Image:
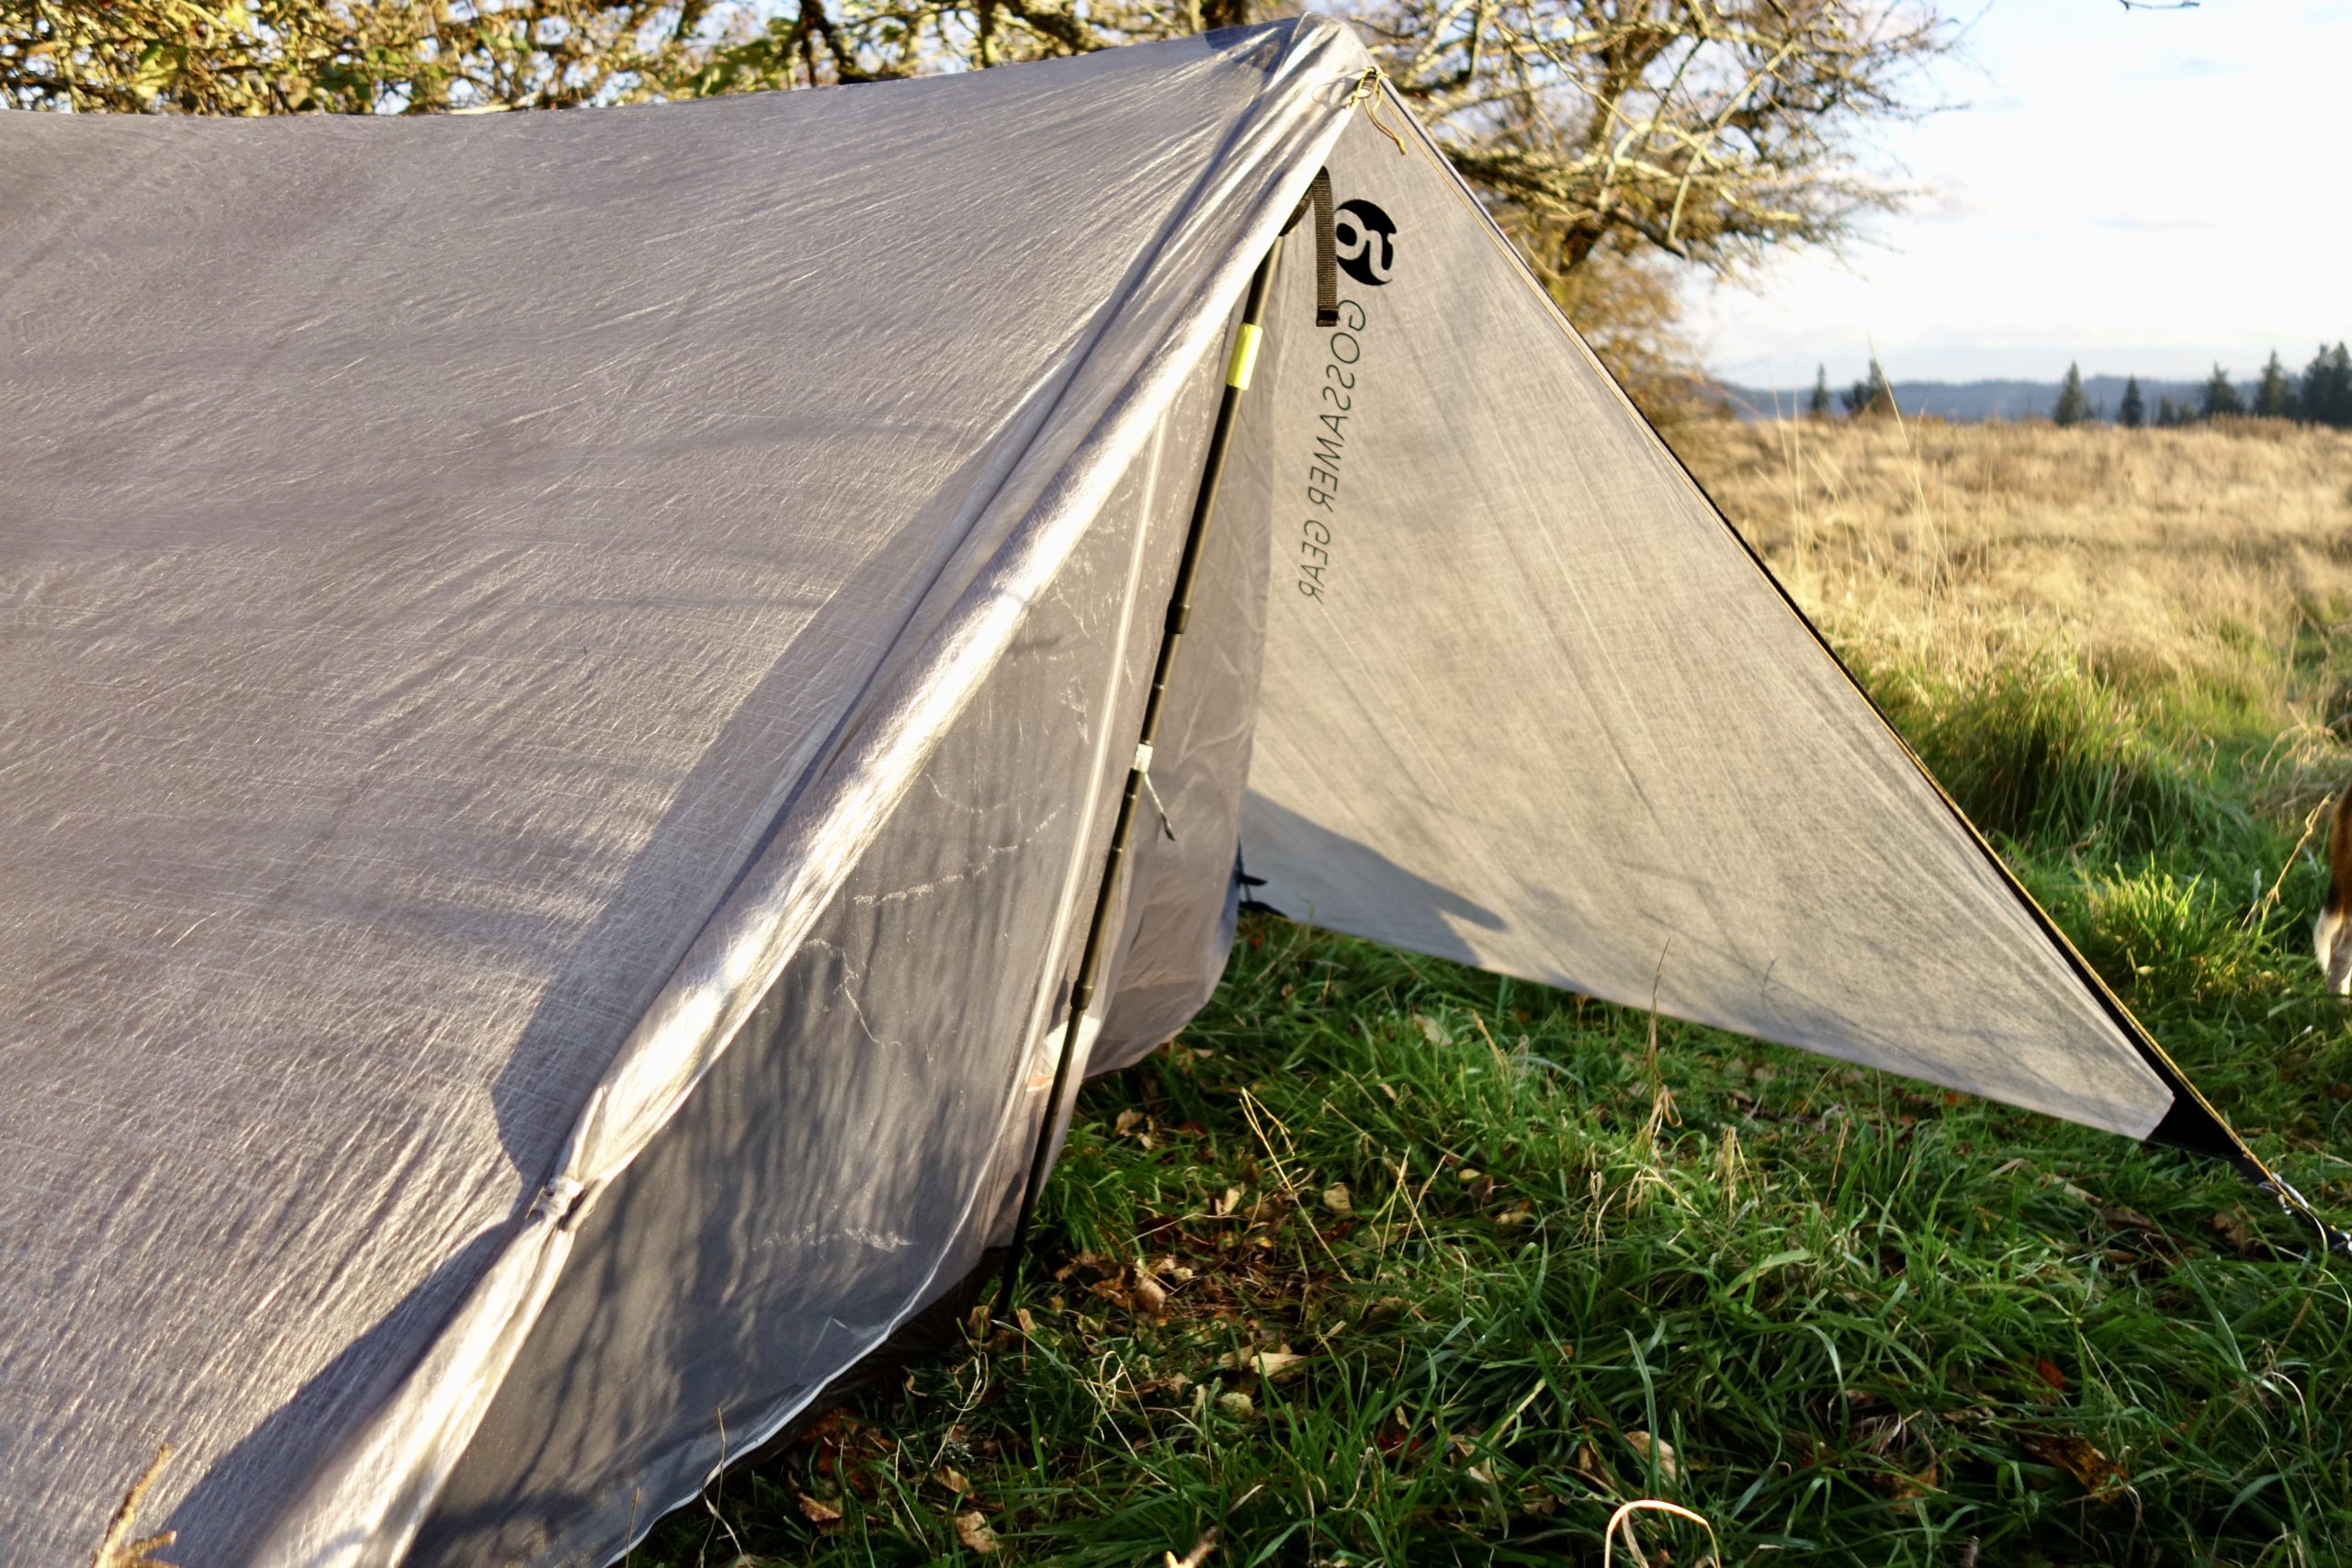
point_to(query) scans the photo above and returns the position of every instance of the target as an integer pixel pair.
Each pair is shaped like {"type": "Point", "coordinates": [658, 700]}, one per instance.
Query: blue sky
{"type": "Point", "coordinates": [2142, 191]}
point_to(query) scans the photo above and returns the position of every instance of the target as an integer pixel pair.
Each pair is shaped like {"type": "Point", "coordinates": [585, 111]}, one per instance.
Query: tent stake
{"type": "Point", "coordinates": [1179, 605]}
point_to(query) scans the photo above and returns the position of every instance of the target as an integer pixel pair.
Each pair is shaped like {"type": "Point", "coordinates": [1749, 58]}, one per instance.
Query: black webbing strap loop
{"type": "Point", "coordinates": [1326, 253]}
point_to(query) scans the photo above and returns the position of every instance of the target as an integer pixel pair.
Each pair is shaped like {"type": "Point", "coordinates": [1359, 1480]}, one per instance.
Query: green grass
{"type": "Point", "coordinates": [1582, 1258]}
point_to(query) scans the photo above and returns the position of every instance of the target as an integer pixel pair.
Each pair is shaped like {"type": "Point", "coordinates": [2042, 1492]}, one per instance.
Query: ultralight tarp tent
{"type": "Point", "coordinates": [565, 682]}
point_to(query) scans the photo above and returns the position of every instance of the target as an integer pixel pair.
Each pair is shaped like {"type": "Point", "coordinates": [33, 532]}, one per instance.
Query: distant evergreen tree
{"type": "Point", "coordinates": [2134, 412]}
{"type": "Point", "coordinates": [2326, 395]}
{"type": "Point", "coordinates": [1818, 406]}
{"type": "Point", "coordinates": [2275, 398]}
{"type": "Point", "coordinates": [1870, 396]}
{"type": "Point", "coordinates": [2219, 400]}
{"type": "Point", "coordinates": [2166, 414]}
{"type": "Point", "coordinates": [2072, 406]}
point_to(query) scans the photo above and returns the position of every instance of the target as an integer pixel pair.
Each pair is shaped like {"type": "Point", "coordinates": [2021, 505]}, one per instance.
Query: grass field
{"type": "Point", "coordinates": [1390, 1261]}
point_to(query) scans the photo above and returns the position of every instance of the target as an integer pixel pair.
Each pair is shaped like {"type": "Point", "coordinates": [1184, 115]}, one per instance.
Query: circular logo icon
{"type": "Point", "coordinates": [1366, 239]}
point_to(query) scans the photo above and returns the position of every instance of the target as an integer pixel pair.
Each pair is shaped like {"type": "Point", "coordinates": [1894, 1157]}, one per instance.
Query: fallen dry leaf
{"type": "Point", "coordinates": [2232, 1228]}
{"type": "Point", "coordinates": [816, 1511]}
{"type": "Point", "coordinates": [1906, 1490]}
{"type": "Point", "coordinates": [1433, 1031]}
{"type": "Point", "coordinates": [1127, 1122]}
{"type": "Point", "coordinates": [119, 1549]}
{"type": "Point", "coordinates": [2074, 1454]}
{"type": "Point", "coordinates": [1150, 1295]}
{"type": "Point", "coordinates": [1198, 1555]}
{"type": "Point", "coordinates": [1236, 1404]}
{"type": "Point", "coordinates": [947, 1475]}
{"type": "Point", "coordinates": [1519, 1215]}
{"type": "Point", "coordinates": [2048, 1372]}
{"type": "Point", "coordinates": [972, 1529]}
{"type": "Point", "coordinates": [1649, 1447]}
{"type": "Point", "coordinates": [1335, 1199]}
{"type": "Point", "coordinates": [1275, 1363]}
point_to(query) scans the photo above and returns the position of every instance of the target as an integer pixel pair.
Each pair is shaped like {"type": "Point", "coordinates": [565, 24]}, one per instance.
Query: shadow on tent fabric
{"type": "Point", "coordinates": [1273, 837]}
{"type": "Point", "coordinates": [1694, 967]}
{"type": "Point", "coordinates": [217, 1518]}
{"type": "Point", "coordinates": [728, 806]}
{"type": "Point", "coordinates": [657, 1326]}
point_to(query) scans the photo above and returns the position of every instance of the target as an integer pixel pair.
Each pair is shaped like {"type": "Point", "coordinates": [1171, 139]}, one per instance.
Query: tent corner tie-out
{"type": "Point", "coordinates": [2191, 1123]}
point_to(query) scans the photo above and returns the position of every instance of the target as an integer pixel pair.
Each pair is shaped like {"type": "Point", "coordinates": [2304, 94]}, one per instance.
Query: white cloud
{"type": "Point", "coordinates": [2147, 204]}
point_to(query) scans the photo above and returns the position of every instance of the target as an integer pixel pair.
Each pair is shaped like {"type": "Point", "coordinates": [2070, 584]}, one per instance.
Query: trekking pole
{"type": "Point", "coordinates": [1243, 360]}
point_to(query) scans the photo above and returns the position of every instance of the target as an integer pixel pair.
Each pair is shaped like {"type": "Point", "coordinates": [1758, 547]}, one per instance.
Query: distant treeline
{"type": "Point", "coordinates": [2320, 394]}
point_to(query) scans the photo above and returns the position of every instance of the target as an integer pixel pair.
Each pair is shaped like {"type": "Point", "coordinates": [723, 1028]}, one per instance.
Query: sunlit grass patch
{"type": "Point", "coordinates": [1390, 1261]}
{"type": "Point", "coordinates": [1423, 1274]}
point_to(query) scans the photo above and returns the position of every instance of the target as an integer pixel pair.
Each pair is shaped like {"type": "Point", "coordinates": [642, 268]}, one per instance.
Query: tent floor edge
{"type": "Point", "coordinates": [934, 1330]}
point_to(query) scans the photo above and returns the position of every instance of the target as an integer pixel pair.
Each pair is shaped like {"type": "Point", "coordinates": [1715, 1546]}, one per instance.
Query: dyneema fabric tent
{"type": "Point", "coordinates": [569, 682]}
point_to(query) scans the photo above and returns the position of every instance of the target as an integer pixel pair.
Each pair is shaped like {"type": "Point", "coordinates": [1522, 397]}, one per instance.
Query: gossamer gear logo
{"type": "Point", "coordinates": [1365, 239]}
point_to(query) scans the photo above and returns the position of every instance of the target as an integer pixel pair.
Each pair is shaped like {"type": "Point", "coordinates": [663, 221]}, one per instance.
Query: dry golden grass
{"type": "Point", "coordinates": [2207, 568]}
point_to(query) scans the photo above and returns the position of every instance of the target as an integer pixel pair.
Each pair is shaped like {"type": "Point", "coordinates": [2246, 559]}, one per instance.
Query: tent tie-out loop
{"type": "Point", "coordinates": [2333, 1238]}
{"type": "Point", "coordinates": [1367, 95]}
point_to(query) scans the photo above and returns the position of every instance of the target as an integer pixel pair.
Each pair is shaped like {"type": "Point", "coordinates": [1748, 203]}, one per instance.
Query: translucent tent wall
{"type": "Point", "coordinates": [567, 680]}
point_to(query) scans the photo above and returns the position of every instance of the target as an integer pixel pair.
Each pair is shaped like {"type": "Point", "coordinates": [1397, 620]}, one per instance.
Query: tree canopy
{"type": "Point", "coordinates": [2074, 405]}
{"type": "Point", "coordinates": [2219, 400]}
{"type": "Point", "coordinates": [1618, 141]}
{"type": "Point", "coordinates": [1873, 395]}
{"type": "Point", "coordinates": [2273, 396]}
{"type": "Point", "coordinates": [249, 56]}
{"type": "Point", "coordinates": [1704, 129]}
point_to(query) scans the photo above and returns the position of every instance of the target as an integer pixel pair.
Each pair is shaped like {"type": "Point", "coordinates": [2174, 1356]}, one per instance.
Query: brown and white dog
{"type": "Point", "coordinates": [2332, 933]}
